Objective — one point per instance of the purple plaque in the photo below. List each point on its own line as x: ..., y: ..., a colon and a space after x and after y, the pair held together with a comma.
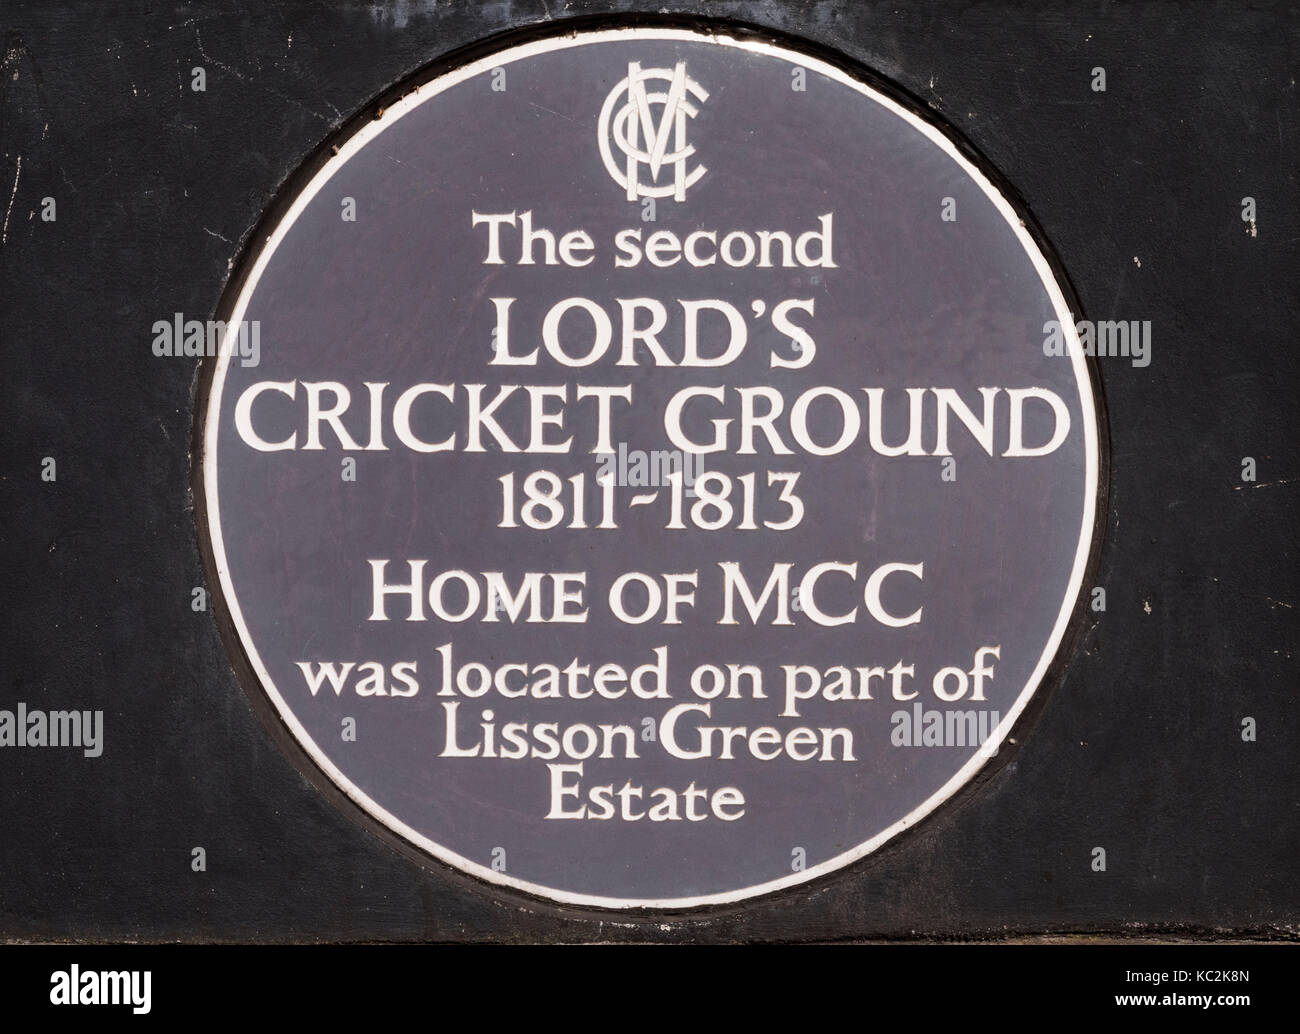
x: 666, y: 470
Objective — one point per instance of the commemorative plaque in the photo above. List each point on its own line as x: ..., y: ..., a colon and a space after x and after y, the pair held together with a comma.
x: 658, y: 481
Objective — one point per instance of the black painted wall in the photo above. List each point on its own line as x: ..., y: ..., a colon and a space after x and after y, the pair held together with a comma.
x: 1137, y: 750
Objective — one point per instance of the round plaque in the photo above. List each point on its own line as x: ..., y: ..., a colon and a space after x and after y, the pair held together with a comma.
x: 648, y: 467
